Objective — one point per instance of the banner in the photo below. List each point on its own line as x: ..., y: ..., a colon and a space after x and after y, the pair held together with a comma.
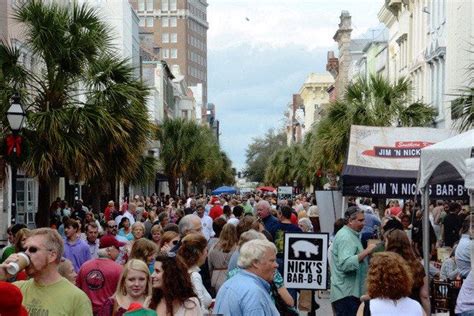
x: 402, y: 188
x: 395, y: 148
x: 306, y: 261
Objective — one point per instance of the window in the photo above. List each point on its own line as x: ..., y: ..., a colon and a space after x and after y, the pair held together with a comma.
x: 174, y: 53
x: 142, y: 22
x: 174, y: 38
x: 173, y: 6
x: 149, y: 22
x: 149, y: 5
x: 141, y: 5
x: 165, y: 53
x: 164, y: 5
x: 165, y: 22
x: 165, y: 38
x: 173, y: 22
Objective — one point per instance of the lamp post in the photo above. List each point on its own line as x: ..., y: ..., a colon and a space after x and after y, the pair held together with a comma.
x: 16, y: 117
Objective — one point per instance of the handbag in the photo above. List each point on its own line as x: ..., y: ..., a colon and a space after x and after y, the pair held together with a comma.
x: 280, y: 304
x: 367, y: 308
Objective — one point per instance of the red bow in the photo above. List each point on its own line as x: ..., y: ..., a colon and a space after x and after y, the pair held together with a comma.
x: 14, y: 144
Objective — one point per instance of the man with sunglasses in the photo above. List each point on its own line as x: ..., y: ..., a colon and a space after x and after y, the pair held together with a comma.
x: 112, y: 229
x: 47, y: 292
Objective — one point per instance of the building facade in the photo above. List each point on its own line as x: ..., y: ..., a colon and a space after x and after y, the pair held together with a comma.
x: 459, y: 52
x: 430, y: 42
x: 176, y: 30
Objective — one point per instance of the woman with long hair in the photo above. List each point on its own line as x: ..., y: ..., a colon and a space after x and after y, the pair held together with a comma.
x: 193, y: 253
x: 397, y: 241
x: 134, y: 286
x: 220, y: 254
x: 173, y: 293
x: 389, y: 284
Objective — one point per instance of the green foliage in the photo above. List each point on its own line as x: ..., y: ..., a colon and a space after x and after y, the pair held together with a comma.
x: 259, y: 151
x: 191, y: 151
x: 372, y: 102
x: 86, y: 113
x: 462, y: 108
x: 287, y: 165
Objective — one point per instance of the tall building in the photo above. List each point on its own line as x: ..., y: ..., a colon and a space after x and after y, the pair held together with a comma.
x: 176, y: 32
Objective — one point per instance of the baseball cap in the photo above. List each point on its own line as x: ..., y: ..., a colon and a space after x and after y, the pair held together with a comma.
x: 10, y: 300
x: 109, y: 240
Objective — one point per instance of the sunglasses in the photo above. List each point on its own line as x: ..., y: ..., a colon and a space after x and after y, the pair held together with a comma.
x: 33, y: 249
x: 175, y: 242
x: 112, y: 226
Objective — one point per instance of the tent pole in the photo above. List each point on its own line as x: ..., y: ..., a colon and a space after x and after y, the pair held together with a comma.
x: 426, y: 230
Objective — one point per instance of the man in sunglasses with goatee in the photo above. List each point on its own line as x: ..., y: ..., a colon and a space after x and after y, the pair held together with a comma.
x: 47, y: 292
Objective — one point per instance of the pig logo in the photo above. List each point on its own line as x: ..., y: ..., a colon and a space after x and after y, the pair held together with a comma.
x: 304, y: 246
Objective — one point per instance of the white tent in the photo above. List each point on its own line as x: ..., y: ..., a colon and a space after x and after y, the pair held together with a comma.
x: 448, y: 160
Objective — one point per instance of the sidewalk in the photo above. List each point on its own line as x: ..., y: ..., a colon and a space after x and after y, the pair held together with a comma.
x: 324, y: 306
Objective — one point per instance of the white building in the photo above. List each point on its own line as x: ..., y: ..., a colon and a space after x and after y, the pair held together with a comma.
x: 184, y: 100
x: 459, y: 47
x: 430, y: 42
x: 308, y: 106
x: 123, y: 21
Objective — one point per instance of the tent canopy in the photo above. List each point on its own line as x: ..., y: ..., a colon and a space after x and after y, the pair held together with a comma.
x: 447, y: 160
x: 224, y: 189
x: 383, y: 161
x: 266, y: 189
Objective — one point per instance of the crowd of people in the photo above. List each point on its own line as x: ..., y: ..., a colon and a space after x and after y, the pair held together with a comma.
x: 375, y: 258
x: 224, y: 255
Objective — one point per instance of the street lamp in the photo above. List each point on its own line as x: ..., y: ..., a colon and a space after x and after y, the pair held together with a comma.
x: 16, y: 117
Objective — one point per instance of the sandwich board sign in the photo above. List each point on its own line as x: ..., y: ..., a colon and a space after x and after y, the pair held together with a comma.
x: 306, y: 261
x: 285, y: 193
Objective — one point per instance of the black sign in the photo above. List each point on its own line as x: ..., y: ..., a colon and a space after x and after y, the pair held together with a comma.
x: 305, y: 260
x: 403, y: 188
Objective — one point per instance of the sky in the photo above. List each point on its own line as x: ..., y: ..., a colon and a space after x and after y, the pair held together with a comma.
x: 260, y: 52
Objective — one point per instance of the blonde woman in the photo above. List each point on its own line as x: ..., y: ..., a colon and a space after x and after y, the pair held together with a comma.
x: 134, y: 286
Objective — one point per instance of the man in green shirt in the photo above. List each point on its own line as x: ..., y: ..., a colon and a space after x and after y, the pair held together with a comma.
x: 47, y: 292
x: 349, y: 264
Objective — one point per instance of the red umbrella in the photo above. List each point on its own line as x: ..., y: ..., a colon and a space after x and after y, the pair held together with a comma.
x: 266, y: 189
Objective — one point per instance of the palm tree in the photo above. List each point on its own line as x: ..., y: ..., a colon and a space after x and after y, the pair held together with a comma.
x: 372, y: 102
x: 288, y: 165
x: 190, y: 151
x: 85, y: 111
x: 462, y: 108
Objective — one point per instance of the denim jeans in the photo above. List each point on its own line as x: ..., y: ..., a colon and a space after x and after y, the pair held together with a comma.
x: 468, y: 313
x: 346, y: 306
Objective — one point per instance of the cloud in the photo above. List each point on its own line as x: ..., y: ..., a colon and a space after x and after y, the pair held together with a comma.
x: 279, y: 23
x: 255, y: 65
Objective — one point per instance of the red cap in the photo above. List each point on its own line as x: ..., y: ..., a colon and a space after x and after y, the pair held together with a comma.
x: 109, y: 240
x: 134, y: 306
x: 10, y: 300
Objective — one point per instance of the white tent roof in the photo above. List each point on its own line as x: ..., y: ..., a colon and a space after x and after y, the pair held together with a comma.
x: 446, y: 160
